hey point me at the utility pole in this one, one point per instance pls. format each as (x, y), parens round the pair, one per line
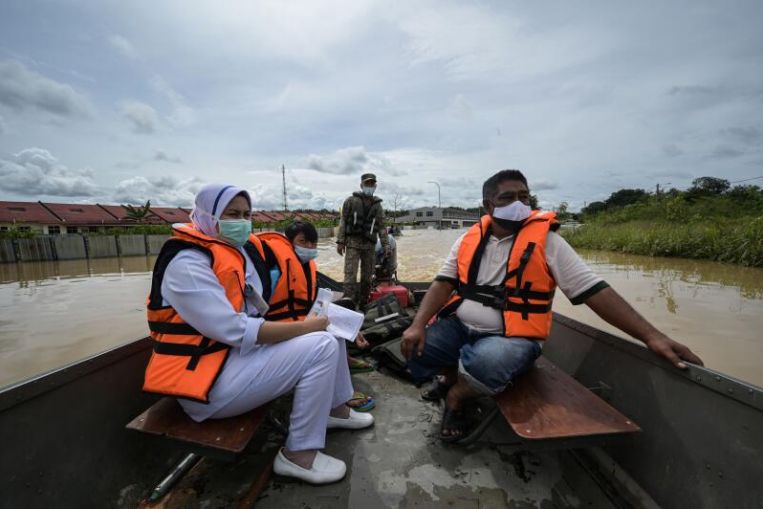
(283, 176)
(439, 203)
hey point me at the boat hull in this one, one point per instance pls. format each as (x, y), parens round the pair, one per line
(64, 441)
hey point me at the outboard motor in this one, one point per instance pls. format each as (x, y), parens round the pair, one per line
(385, 276)
(385, 269)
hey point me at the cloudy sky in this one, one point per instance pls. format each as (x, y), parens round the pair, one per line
(120, 102)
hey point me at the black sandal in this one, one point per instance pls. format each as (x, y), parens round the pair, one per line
(454, 421)
(437, 391)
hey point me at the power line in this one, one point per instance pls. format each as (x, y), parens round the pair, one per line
(746, 180)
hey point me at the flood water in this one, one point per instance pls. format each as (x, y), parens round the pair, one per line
(55, 313)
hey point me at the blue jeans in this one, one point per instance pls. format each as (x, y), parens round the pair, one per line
(488, 362)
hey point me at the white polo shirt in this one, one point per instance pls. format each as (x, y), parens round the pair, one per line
(572, 275)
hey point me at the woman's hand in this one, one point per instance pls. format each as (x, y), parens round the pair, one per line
(315, 323)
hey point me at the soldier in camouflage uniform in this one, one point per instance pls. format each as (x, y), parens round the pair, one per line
(362, 222)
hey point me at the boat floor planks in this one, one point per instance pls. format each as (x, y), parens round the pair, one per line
(400, 462)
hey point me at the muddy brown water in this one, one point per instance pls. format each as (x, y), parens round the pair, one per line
(55, 313)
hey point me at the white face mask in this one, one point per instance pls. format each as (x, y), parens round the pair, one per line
(514, 211)
(368, 190)
(511, 216)
(306, 254)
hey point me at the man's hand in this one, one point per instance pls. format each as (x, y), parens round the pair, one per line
(609, 305)
(340, 248)
(361, 342)
(414, 339)
(673, 351)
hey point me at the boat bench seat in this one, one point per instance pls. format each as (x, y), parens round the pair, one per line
(220, 438)
(547, 403)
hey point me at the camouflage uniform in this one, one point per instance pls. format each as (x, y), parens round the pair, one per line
(362, 222)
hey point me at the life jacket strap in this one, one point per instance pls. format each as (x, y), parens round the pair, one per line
(495, 296)
(176, 329)
(287, 314)
(285, 302)
(526, 309)
(204, 348)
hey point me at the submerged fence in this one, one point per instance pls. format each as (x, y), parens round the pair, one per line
(77, 247)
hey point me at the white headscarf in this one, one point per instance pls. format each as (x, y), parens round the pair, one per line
(211, 202)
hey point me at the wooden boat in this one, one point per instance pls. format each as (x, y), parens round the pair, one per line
(64, 443)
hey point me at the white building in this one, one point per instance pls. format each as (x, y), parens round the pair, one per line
(435, 216)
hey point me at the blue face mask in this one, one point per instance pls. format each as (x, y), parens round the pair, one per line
(306, 254)
(235, 231)
(368, 190)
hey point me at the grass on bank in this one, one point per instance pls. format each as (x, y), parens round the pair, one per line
(733, 241)
(713, 228)
(711, 221)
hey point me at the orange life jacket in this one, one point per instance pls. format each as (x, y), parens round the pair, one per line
(295, 292)
(526, 296)
(184, 362)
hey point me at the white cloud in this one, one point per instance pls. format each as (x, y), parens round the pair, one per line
(267, 197)
(672, 150)
(142, 117)
(748, 135)
(301, 31)
(22, 89)
(472, 41)
(34, 172)
(161, 155)
(181, 114)
(122, 45)
(166, 190)
(351, 161)
(461, 108)
(542, 185)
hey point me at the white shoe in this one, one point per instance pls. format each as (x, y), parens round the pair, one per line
(326, 469)
(356, 420)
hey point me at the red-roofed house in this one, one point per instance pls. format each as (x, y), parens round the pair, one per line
(120, 212)
(304, 216)
(30, 216)
(278, 215)
(262, 217)
(79, 218)
(172, 215)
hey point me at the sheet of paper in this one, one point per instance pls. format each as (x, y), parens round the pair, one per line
(343, 323)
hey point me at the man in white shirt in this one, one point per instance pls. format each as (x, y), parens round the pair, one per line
(476, 348)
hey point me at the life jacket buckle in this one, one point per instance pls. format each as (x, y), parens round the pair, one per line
(500, 297)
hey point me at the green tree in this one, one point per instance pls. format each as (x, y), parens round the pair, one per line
(139, 213)
(745, 193)
(709, 185)
(561, 211)
(625, 197)
(593, 208)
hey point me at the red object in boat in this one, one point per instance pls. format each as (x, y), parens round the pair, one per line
(399, 291)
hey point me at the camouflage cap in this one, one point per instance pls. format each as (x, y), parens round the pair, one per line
(368, 176)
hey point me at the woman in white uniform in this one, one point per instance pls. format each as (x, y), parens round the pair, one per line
(266, 359)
